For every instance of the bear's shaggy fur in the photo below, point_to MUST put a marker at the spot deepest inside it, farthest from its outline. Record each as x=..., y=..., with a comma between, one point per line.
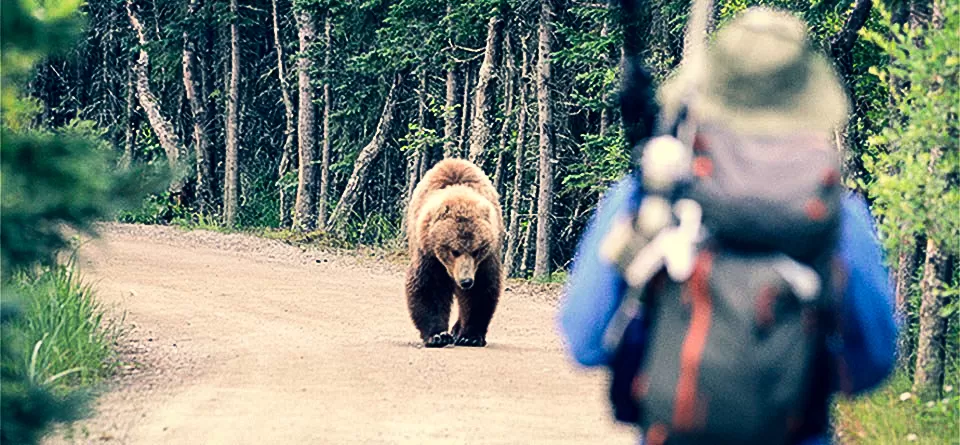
x=455, y=233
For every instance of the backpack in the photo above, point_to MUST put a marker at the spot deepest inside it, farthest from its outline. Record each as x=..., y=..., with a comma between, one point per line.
x=731, y=289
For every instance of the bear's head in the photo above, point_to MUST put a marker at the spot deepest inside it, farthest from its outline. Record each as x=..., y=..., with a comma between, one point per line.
x=460, y=231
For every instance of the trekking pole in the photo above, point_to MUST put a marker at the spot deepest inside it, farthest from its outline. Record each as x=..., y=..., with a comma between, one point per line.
x=699, y=22
x=695, y=36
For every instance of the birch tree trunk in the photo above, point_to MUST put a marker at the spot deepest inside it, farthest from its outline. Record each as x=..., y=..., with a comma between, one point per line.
x=903, y=278
x=361, y=166
x=305, y=216
x=498, y=170
x=201, y=142
x=231, y=182
x=449, y=108
x=928, y=376
x=465, y=111
x=541, y=267
x=931, y=344
x=288, y=153
x=127, y=160
x=513, y=228
x=169, y=141
x=327, y=106
x=485, y=92
x=450, y=115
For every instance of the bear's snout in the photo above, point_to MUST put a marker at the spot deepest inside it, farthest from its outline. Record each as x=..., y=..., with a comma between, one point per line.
x=464, y=270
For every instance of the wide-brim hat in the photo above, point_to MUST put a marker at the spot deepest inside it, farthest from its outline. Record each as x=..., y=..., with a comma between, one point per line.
x=760, y=75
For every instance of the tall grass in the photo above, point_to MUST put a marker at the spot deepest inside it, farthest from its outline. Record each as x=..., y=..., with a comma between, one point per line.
x=70, y=342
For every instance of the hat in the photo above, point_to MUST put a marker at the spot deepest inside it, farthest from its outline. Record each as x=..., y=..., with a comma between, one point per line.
x=760, y=75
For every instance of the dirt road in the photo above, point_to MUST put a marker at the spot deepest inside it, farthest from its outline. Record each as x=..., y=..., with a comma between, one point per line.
x=241, y=340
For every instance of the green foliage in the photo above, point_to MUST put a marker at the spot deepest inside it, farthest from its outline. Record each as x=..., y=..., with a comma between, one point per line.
x=156, y=208
x=607, y=160
x=259, y=200
x=589, y=55
x=375, y=229
x=53, y=178
x=917, y=164
x=28, y=32
x=421, y=140
x=558, y=277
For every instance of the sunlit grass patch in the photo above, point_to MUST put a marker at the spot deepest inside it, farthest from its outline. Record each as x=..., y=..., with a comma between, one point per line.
x=893, y=415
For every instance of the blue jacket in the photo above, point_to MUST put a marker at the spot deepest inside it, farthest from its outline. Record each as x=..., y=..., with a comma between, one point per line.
x=868, y=344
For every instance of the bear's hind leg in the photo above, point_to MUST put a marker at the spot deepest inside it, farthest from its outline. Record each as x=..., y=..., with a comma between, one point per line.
x=477, y=306
x=429, y=297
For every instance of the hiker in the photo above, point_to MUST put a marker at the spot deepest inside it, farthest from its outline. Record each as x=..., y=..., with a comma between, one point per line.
x=759, y=81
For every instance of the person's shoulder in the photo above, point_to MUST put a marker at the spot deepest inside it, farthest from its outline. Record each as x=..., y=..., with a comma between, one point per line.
x=856, y=215
x=855, y=204
x=623, y=192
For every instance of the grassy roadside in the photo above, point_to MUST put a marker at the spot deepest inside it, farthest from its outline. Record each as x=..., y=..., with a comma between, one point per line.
x=71, y=339
x=57, y=348
x=893, y=415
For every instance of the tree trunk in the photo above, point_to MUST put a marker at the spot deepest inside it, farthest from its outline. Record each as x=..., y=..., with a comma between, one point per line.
x=344, y=207
x=171, y=143
x=605, y=113
x=936, y=14
x=931, y=344
x=841, y=48
x=201, y=142
x=327, y=106
x=465, y=108
x=450, y=116
x=449, y=108
x=842, y=43
x=513, y=228
x=128, y=135
x=485, y=92
x=928, y=376
x=231, y=182
x=426, y=158
x=906, y=261
x=528, y=247
x=498, y=170
x=541, y=268
x=415, y=156
x=305, y=217
x=288, y=153
x=699, y=24
x=424, y=153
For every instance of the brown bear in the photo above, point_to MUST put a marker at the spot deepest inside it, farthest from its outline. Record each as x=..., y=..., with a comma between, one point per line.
x=455, y=233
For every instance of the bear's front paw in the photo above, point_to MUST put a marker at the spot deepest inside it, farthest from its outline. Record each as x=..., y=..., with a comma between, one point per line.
x=470, y=340
x=438, y=340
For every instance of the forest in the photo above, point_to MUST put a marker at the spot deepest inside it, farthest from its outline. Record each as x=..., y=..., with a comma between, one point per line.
x=316, y=119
